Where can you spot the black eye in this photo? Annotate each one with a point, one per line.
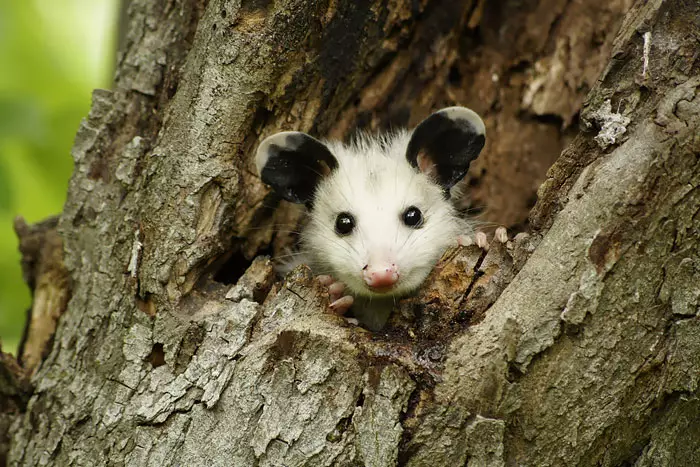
(344, 223)
(412, 217)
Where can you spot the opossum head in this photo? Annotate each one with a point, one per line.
(380, 214)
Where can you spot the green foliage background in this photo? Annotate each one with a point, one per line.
(52, 54)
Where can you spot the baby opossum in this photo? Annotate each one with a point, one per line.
(379, 208)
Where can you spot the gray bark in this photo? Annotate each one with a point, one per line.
(579, 345)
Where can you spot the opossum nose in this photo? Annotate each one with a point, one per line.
(381, 276)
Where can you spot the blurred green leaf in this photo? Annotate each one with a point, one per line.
(52, 54)
(5, 191)
(21, 117)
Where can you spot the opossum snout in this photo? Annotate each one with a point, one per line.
(380, 276)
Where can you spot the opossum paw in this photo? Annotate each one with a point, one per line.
(479, 239)
(501, 235)
(325, 280)
(340, 303)
(465, 240)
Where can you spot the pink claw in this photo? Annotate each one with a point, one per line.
(335, 290)
(501, 235)
(464, 240)
(325, 280)
(342, 305)
(481, 240)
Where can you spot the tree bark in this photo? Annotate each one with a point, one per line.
(577, 345)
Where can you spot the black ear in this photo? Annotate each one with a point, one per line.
(292, 163)
(444, 144)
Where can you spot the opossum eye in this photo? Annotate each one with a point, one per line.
(344, 223)
(412, 217)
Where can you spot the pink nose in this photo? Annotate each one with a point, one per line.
(380, 276)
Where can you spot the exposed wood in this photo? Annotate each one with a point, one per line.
(42, 266)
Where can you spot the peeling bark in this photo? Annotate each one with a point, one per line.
(42, 267)
(576, 345)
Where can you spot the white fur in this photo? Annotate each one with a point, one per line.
(375, 183)
(472, 117)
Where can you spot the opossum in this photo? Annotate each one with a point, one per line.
(380, 210)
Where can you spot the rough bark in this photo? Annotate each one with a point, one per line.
(14, 393)
(577, 345)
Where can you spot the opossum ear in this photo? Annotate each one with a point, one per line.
(293, 163)
(444, 144)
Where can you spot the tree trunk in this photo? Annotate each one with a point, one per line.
(578, 345)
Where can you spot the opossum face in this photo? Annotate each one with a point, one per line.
(379, 211)
(377, 224)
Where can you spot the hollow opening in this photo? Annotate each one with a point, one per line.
(232, 268)
(157, 356)
(454, 76)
